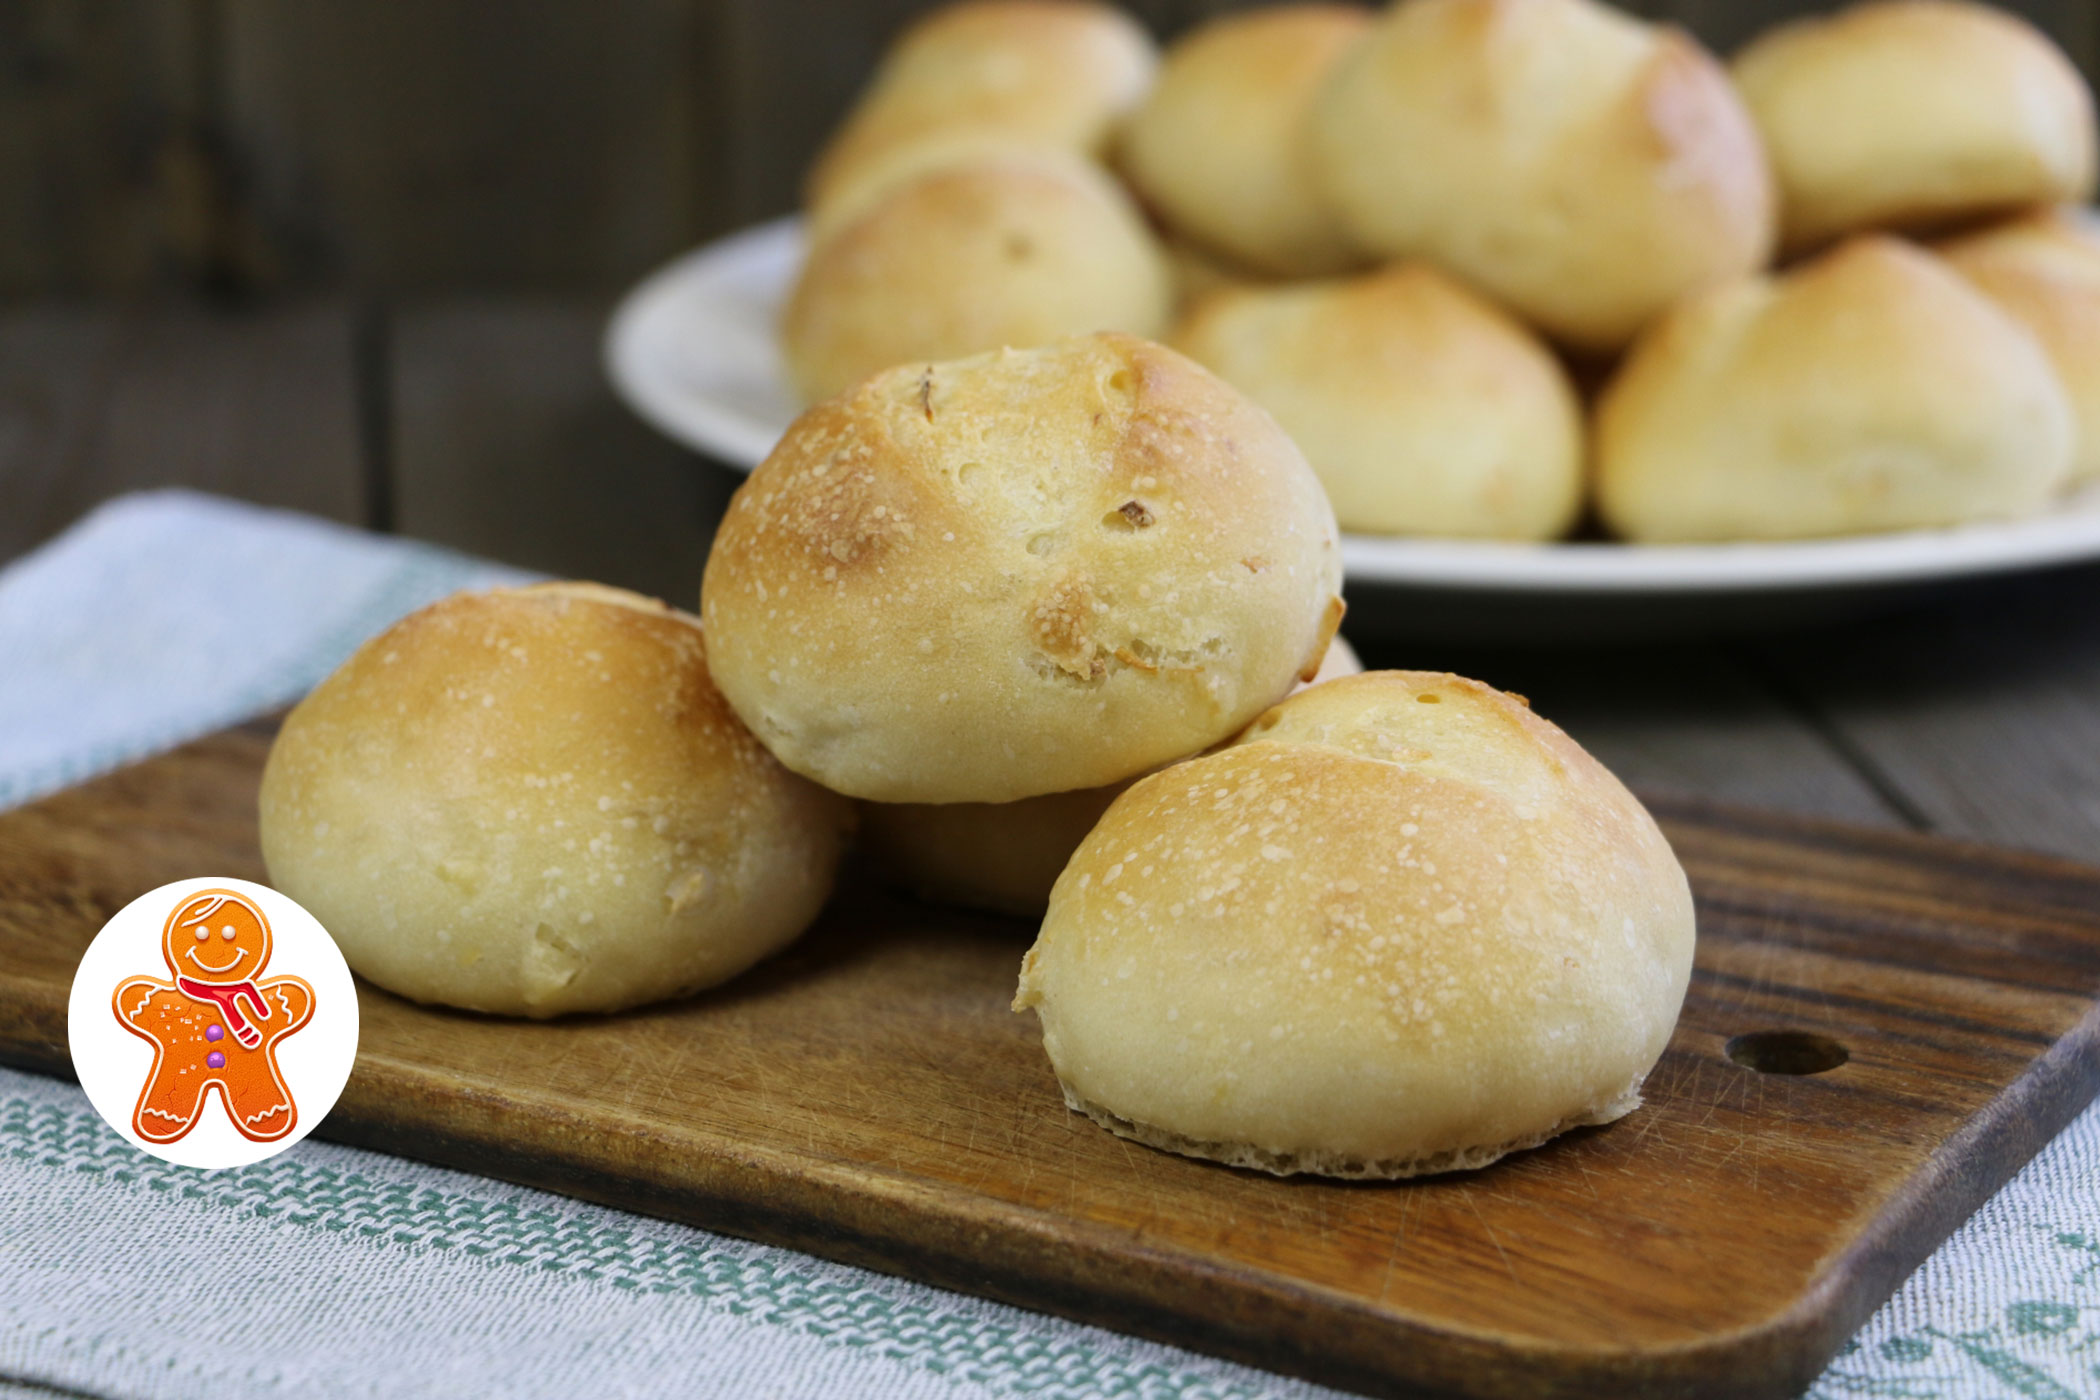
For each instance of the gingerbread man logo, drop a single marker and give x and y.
(217, 1023)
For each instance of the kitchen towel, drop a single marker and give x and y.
(329, 1271)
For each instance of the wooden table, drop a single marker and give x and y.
(488, 426)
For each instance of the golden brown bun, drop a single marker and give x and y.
(1014, 248)
(1002, 856)
(1025, 572)
(1871, 389)
(2044, 270)
(1912, 113)
(1379, 936)
(1048, 75)
(1218, 148)
(534, 801)
(1584, 168)
(1424, 408)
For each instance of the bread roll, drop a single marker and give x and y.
(1584, 168)
(1911, 113)
(1871, 389)
(1403, 926)
(1024, 572)
(534, 801)
(1218, 147)
(2044, 270)
(1002, 856)
(1056, 74)
(1425, 409)
(1017, 248)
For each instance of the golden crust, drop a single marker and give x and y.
(1582, 167)
(1025, 572)
(534, 801)
(1035, 73)
(1870, 389)
(2044, 271)
(1002, 856)
(1378, 935)
(1218, 147)
(1001, 248)
(1915, 113)
(1424, 408)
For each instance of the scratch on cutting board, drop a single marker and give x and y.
(1493, 1238)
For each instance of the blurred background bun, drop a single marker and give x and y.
(1403, 926)
(1010, 248)
(1046, 73)
(2044, 269)
(534, 801)
(1915, 113)
(1583, 167)
(1219, 147)
(1424, 408)
(1002, 856)
(1870, 389)
(1024, 572)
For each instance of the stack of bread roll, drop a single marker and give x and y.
(1060, 625)
(1830, 288)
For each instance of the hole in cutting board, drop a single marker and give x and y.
(1787, 1052)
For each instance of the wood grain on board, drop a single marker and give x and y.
(869, 1097)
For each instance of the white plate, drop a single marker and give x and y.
(693, 351)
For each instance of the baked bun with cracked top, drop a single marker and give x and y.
(1424, 408)
(1218, 147)
(1913, 113)
(1024, 572)
(534, 801)
(1007, 247)
(1052, 74)
(1582, 167)
(1869, 389)
(2044, 271)
(1002, 856)
(1403, 925)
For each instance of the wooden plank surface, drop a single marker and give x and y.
(868, 1096)
(96, 402)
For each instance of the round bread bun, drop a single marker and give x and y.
(1056, 74)
(1218, 147)
(1424, 408)
(2044, 270)
(1871, 389)
(1002, 856)
(1915, 113)
(1584, 168)
(1403, 926)
(534, 801)
(1013, 248)
(1024, 572)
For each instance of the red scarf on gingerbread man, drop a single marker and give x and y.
(226, 995)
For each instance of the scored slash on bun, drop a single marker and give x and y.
(1870, 389)
(1584, 168)
(1218, 148)
(1403, 925)
(999, 247)
(1024, 572)
(534, 801)
(1914, 113)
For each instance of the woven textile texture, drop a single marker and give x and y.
(329, 1271)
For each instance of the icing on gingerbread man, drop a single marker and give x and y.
(216, 1023)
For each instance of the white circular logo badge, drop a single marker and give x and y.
(213, 1022)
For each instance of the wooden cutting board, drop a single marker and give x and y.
(869, 1097)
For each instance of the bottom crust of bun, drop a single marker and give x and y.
(1335, 1164)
